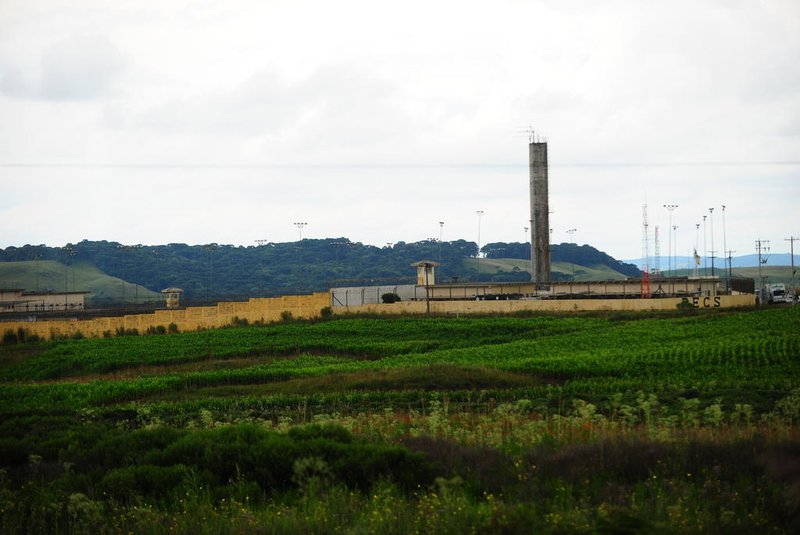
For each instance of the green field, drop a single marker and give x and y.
(581, 273)
(81, 277)
(623, 423)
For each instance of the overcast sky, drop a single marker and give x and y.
(228, 121)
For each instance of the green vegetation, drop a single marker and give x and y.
(658, 423)
(216, 272)
(563, 271)
(81, 276)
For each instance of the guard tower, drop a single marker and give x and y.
(426, 272)
(540, 215)
(173, 296)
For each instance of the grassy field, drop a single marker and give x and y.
(618, 423)
(81, 277)
(582, 273)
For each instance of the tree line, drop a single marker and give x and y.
(216, 271)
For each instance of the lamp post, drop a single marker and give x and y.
(696, 245)
(711, 211)
(675, 249)
(68, 251)
(725, 248)
(441, 233)
(527, 248)
(480, 215)
(261, 243)
(210, 248)
(705, 247)
(571, 233)
(300, 226)
(670, 208)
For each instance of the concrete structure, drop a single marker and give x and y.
(540, 215)
(625, 289)
(17, 300)
(310, 306)
(549, 305)
(173, 296)
(426, 272)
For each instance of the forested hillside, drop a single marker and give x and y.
(213, 271)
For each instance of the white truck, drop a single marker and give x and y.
(776, 293)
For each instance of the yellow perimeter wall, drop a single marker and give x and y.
(547, 305)
(189, 319)
(309, 306)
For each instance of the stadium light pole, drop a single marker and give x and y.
(675, 249)
(441, 233)
(724, 249)
(480, 215)
(261, 243)
(670, 208)
(527, 248)
(571, 233)
(711, 211)
(705, 247)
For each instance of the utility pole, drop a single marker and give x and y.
(711, 210)
(762, 246)
(791, 241)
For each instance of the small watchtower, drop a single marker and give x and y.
(173, 296)
(426, 272)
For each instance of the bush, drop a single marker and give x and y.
(390, 297)
(10, 337)
(236, 321)
(286, 316)
(325, 312)
(172, 328)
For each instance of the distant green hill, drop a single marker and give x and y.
(563, 270)
(771, 274)
(80, 277)
(214, 272)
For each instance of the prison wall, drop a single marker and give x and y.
(548, 305)
(266, 309)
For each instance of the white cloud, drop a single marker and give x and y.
(425, 85)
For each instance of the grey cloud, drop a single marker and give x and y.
(334, 109)
(75, 68)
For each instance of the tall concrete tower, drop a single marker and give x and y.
(540, 215)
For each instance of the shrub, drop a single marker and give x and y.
(10, 337)
(390, 297)
(172, 328)
(236, 321)
(286, 316)
(325, 312)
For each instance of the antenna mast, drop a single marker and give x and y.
(645, 254)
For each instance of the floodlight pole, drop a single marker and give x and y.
(478, 278)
